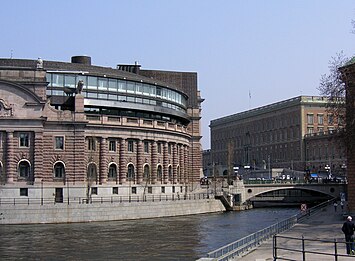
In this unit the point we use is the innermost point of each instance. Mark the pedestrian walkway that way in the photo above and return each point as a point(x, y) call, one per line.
point(324, 225)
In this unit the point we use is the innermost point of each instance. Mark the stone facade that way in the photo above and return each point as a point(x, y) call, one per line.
point(123, 133)
point(273, 134)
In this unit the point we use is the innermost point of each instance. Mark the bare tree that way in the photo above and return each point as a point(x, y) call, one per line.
point(332, 86)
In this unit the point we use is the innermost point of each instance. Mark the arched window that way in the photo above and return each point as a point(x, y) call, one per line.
point(24, 169)
point(146, 172)
point(92, 172)
point(159, 172)
point(130, 172)
point(112, 171)
point(59, 170)
point(170, 172)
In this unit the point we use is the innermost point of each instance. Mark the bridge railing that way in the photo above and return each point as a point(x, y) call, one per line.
point(244, 244)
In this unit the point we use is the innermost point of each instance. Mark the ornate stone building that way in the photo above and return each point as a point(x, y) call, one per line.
point(294, 134)
point(99, 131)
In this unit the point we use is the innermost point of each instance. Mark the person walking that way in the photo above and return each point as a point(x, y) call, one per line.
point(348, 230)
point(342, 205)
point(335, 206)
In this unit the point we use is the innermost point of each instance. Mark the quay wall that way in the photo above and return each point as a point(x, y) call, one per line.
point(64, 213)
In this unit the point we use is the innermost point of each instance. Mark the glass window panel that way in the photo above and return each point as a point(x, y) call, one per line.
point(69, 81)
point(57, 80)
point(122, 98)
point(158, 92)
point(130, 99)
point(92, 83)
point(102, 84)
point(146, 101)
point(122, 86)
point(131, 88)
point(49, 79)
point(139, 88)
point(146, 89)
point(103, 96)
point(48, 92)
point(112, 85)
point(139, 100)
point(112, 97)
point(153, 91)
point(92, 95)
point(57, 93)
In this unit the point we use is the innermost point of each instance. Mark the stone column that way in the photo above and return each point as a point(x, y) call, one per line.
point(123, 165)
point(154, 163)
point(165, 162)
point(139, 162)
point(10, 159)
point(103, 161)
point(175, 162)
point(38, 171)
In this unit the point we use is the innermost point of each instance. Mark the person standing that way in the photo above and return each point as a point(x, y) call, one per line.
point(348, 230)
point(335, 206)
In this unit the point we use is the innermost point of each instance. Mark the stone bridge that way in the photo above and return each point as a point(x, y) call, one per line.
point(330, 189)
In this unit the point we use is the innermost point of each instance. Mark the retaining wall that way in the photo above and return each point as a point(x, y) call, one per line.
point(64, 213)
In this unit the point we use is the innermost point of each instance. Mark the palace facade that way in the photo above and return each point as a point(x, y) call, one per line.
point(299, 134)
point(99, 131)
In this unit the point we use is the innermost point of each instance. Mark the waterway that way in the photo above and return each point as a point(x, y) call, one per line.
point(177, 238)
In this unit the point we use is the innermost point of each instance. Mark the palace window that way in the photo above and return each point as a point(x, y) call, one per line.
point(130, 146)
point(112, 145)
point(91, 144)
point(146, 147)
point(24, 169)
point(130, 172)
point(59, 143)
point(169, 148)
point(59, 170)
point(24, 192)
point(146, 172)
point(24, 140)
point(159, 148)
point(112, 172)
point(320, 119)
point(310, 118)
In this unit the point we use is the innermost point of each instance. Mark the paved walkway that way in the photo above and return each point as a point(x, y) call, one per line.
point(324, 225)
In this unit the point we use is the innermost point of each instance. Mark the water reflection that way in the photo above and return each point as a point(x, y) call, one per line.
point(178, 238)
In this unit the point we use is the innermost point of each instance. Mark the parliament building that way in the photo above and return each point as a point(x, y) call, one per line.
point(100, 131)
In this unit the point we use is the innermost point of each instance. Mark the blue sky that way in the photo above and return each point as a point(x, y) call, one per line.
point(274, 49)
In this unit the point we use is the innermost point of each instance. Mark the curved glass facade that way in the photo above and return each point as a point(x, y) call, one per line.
point(104, 88)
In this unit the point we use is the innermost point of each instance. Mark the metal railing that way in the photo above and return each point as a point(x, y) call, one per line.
point(306, 249)
point(101, 200)
point(244, 244)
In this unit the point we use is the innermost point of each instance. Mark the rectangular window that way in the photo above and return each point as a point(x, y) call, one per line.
point(93, 191)
point(24, 140)
point(320, 119)
point(159, 148)
point(162, 189)
point(330, 119)
point(150, 190)
point(169, 148)
point(24, 192)
point(310, 130)
point(134, 190)
point(115, 190)
point(130, 147)
point(59, 143)
point(112, 145)
point(146, 147)
point(310, 118)
point(91, 144)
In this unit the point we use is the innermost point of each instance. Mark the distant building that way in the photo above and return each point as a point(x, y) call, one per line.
point(100, 131)
point(296, 134)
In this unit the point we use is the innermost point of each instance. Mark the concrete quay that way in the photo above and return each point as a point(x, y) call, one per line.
point(324, 225)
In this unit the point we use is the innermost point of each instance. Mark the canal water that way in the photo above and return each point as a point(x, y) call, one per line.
point(177, 238)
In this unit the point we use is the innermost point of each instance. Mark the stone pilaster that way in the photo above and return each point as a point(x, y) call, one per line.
point(139, 161)
point(123, 165)
point(10, 158)
point(175, 162)
point(38, 157)
point(103, 161)
point(165, 162)
point(154, 163)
